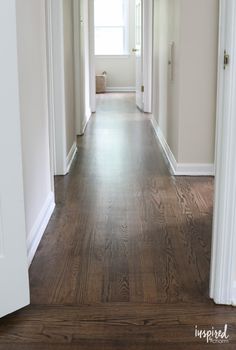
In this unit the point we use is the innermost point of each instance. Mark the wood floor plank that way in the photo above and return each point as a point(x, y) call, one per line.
point(124, 262)
point(150, 324)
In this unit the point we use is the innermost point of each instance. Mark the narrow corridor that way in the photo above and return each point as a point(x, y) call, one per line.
point(125, 259)
point(124, 229)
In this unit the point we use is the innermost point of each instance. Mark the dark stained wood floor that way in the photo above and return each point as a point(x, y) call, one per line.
point(124, 263)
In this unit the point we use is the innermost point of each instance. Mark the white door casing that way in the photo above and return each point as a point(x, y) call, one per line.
point(50, 92)
point(144, 54)
point(56, 85)
point(14, 285)
point(92, 57)
point(147, 55)
point(143, 45)
point(82, 105)
point(85, 68)
point(139, 52)
point(223, 261)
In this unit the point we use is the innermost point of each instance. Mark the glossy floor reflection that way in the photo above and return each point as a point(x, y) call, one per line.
point(124, 262)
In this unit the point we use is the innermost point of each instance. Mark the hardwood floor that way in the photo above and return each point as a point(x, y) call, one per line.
point(124, 263)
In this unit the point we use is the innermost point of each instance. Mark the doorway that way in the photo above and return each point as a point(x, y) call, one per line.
point(121, 49)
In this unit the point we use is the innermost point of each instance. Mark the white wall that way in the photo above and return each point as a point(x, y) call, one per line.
point(120, 70)
point(185, 108)
point(34, 116)
point(35, 81)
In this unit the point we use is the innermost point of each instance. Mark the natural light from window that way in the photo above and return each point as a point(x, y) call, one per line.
point(111, 27)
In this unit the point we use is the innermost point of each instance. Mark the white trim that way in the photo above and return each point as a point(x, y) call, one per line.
point(122, 56)
point(85, 122)
point(180, 169)
point(147, 54)
point(56, 34)
point(77, 63)
point(223, 267)
point(50, 89)
point(39, 227)
point(194, 169)
point(121, 89)
point(167, 151)
point(71, 156)
point(92, 57)
point(87, 91)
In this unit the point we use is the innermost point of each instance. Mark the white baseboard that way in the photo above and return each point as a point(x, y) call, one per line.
point(39, 227)
point(192, 169)
point(121, 89)
point(70, 157)
point(181, 169)
point(168, 153)
point(85, 123)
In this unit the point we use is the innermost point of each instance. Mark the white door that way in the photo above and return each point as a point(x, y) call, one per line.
point(14, 287)
point(139, 52)
point(223, 267)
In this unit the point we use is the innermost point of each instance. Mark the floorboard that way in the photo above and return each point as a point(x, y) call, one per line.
point(125, 260)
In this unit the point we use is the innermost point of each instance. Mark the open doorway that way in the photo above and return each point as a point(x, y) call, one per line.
point(121, 49)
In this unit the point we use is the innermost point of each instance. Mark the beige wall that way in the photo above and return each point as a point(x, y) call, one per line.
point(185, 107)
point(120, 70)
point(69, 73)
point(198, 67)
point(173, 35)
point(33, 106)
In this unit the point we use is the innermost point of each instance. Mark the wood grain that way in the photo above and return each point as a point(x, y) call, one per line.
point(125, 260)
point(114, 324)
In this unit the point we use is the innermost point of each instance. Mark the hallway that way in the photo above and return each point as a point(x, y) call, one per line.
point(124, 229)
point(125, 260)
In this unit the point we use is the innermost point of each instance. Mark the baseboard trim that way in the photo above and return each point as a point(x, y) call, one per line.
point(70, 157)
point(192, 169)
point(121, 89)
point(39, 227)
point(162, 141)
point(181, 169)
point(85, 123)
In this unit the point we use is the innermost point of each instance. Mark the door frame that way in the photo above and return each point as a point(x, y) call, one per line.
point(92, 61)
point(147, 54)
point(84, 88)
point(56, 86)
point(77, 64)
point(92, 56)
point(50, 83)
point(147, 8)
point(60, 160)
point(223, 255)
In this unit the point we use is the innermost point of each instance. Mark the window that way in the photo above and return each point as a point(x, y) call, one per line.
point(111, 27)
